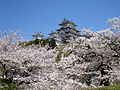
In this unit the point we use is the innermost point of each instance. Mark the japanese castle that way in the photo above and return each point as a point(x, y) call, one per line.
point(37, 36)
point(67, 32)
point(64, 34)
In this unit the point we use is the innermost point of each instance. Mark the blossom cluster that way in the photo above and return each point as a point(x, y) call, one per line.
point(92, 60)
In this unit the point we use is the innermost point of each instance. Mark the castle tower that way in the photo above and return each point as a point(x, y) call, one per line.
point(53, 34)
point(67, 31)
point(37, 35)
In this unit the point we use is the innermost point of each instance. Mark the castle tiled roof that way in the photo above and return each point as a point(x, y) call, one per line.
point(38, 34)
point(52, 33)
point(68, 28)
point(65, 21)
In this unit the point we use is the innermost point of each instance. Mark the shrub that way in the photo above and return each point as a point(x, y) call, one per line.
point(52, 43)
point(59, 55)
point(7, 85)
point(116, 87)
point(6, 81)
point(42, 42)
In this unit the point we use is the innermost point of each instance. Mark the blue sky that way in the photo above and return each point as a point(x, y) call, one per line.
point(32, 16)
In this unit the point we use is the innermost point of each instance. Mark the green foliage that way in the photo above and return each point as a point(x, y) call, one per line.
point(6, 84)
point(6, 81)
point(67, 53)
point(115, 87)
point(5, 70)
point(59, 55)
point(61, 47)
point(114, 46)
point(52, 43)
point(29, 43)
point(42, 42)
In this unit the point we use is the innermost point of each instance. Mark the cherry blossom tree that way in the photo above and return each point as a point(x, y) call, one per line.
point(92, 60)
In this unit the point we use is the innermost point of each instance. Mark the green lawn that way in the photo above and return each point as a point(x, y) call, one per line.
point(116, 87)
